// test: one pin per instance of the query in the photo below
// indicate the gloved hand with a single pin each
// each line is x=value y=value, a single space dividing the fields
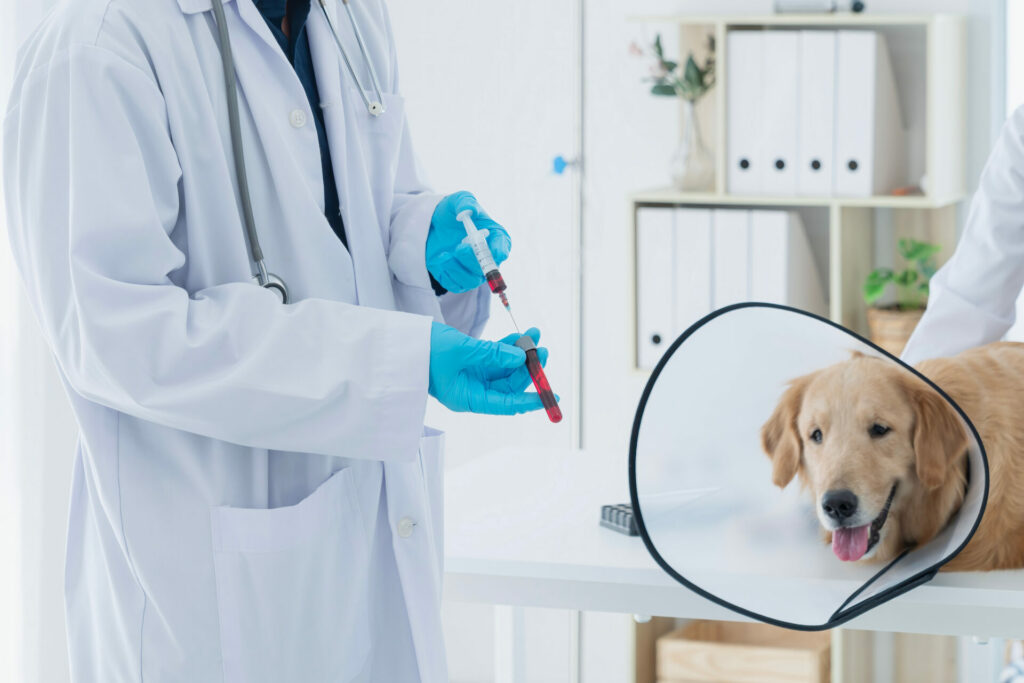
x=451 y=262
x=478 y=376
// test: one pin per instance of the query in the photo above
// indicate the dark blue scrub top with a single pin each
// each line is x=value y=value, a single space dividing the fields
x=296 y=49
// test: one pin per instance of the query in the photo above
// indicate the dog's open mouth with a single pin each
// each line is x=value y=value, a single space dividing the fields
x=852 y=543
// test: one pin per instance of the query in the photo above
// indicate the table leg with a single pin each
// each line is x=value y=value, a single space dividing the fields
x=509 y=644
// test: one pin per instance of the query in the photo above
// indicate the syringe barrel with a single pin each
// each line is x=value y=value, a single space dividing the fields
x=478 y=241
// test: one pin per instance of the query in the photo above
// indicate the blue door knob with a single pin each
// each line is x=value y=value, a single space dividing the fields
x=560 y=163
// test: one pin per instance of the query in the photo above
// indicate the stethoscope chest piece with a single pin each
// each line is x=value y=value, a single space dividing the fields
x=376 y=108
x=275 y=285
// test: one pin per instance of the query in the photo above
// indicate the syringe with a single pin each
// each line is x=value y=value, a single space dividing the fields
x=477 y=239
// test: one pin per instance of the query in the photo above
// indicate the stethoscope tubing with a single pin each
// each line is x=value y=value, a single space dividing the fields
x=266 y=279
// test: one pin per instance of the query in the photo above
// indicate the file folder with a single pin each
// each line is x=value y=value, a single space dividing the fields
x=779 y=99
x=731 y=258
x=744 y=60
x=692 y=267
x=870 y=151
x=654 y=281
x=817 y=79
x=783 y=269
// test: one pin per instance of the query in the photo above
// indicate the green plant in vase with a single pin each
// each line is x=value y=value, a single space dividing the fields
x=892 y=326
x=692 y=164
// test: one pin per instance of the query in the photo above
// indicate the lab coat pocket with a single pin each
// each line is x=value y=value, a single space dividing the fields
x=432 y=462
x=292 y=588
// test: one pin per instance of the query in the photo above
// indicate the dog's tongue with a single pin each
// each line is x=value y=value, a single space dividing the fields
x=850 y=543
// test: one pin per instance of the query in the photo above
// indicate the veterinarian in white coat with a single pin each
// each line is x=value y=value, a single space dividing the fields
x=973 y=297
x=255 y=497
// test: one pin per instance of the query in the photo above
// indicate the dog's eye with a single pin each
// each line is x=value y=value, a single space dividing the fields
x=816 y=436
x=879 y=430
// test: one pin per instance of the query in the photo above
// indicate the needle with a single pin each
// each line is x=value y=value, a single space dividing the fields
x=504 y=301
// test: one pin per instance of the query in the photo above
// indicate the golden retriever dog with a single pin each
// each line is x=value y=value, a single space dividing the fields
x=885 y=456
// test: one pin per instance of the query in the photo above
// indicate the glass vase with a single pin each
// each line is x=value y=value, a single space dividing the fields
x=692 y=166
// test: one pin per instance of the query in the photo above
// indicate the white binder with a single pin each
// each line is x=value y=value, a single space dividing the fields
x=731 y=262
x=779 y=98
x=692 y=267
x=870 y=150
x=744 y=59
x=782 y=266
x=817 y=79
x=654 y=280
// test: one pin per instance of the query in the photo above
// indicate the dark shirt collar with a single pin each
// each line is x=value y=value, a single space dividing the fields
x=274 y=11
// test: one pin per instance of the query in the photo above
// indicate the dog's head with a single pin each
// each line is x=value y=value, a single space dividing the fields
x=869 y=440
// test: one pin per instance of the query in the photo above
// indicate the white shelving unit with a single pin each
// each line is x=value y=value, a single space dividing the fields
x=928 y=54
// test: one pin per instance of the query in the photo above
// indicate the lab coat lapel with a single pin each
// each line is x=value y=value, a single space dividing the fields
x=346 y=138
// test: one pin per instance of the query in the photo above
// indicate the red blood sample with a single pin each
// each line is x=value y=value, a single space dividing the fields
x=496 y=282
x=540 y=380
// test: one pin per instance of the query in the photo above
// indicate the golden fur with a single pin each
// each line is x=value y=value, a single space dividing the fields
x=923 y=454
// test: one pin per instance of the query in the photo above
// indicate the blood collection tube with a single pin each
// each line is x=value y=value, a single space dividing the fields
x=540 y=380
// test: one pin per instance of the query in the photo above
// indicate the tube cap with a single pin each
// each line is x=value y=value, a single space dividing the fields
x=526 y=343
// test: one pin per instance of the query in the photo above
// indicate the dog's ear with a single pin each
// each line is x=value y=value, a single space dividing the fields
x=780 y=438
x=938 y=438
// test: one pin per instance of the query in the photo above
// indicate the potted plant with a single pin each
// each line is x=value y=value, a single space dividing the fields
x=891 y=326
x=693 y=166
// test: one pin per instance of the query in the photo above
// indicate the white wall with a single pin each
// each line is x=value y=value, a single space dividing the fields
x=37 y=434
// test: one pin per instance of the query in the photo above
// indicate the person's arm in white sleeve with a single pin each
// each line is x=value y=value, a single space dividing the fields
x=92 y=180
x=973 y=297
x=411 y=212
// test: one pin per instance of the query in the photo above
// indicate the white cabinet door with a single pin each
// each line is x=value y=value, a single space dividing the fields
x=490 y=95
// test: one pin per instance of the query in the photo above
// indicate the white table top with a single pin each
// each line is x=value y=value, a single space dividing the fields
x=522 y=529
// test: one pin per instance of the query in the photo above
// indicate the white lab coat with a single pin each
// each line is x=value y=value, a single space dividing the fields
x=255 y=497
x=973 y=297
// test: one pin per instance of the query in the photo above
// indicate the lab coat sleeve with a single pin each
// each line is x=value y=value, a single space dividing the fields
x=973 y=297
x=412 y=209
x=92 y=186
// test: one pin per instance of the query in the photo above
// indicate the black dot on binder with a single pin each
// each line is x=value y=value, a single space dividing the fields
x=656 y=339
x=780 y=164
x=744 y=164
x=816 y=165
x=853 y=165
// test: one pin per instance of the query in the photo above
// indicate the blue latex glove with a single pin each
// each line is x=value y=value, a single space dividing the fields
x=451 y=262
x=473 y=375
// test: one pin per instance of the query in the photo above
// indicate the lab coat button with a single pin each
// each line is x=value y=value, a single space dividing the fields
x=405 y=527
x=298 y=118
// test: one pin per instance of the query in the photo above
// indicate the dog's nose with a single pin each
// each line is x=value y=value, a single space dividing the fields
x=840 y=504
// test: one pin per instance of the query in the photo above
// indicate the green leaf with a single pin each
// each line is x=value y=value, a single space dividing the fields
x=875 y=284
x=669 y=66
x=906 y=278
x=692 y=75
x=663 y=89
x=658 y=51
x=912 y=250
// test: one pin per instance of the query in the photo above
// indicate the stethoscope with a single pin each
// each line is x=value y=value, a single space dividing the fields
x=265 y=278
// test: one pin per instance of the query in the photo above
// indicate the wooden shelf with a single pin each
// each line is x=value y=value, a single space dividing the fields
x=671 y=196
x=838 y=19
